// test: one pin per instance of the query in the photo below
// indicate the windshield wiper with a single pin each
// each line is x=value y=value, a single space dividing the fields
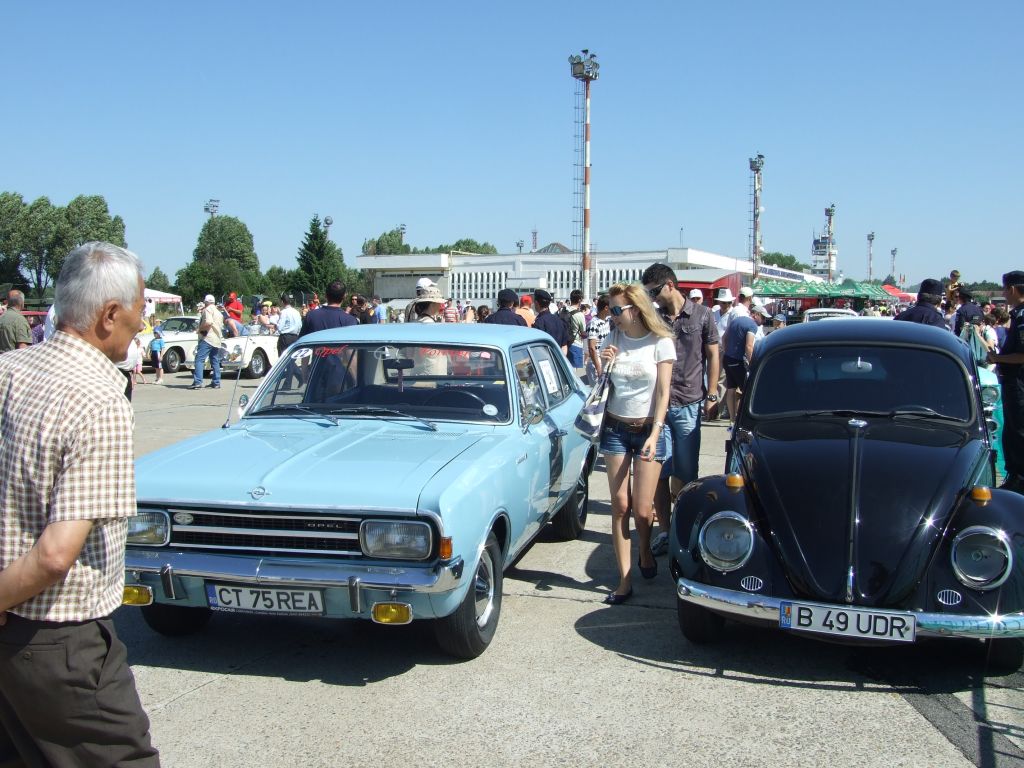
x=375 y=410
x=844 y=412
x=921 y=412
x=292 y=407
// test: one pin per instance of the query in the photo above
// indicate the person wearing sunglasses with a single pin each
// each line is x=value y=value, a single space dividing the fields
x=640 y=352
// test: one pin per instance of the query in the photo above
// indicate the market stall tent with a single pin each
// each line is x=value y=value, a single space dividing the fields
x=154 y=297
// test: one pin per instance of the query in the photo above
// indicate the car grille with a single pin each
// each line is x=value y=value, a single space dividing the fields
x=284 y=532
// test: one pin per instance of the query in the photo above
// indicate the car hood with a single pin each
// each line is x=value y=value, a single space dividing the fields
x=305 y=462
x=875 y=498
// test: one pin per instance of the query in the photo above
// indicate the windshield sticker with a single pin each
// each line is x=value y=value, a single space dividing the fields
x=319 y=352
x=490 y=410
x=301 y=353
x=548 y=373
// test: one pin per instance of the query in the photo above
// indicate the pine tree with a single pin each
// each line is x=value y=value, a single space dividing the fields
x=320 y=260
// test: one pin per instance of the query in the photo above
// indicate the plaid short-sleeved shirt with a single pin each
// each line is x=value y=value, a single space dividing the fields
x=66 y=454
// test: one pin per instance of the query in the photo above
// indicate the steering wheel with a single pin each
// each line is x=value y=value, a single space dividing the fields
x=448 y=395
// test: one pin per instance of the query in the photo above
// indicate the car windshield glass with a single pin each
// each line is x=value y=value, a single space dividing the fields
x=178 y=324
x=388 y=381
x=894 y=382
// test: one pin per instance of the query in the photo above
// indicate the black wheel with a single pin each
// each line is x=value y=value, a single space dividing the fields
x=571 y=518
x=172 y=360
x=467 y=632
x=175 y=620
x=257 y=367
x=451 y=398
x=1005 y=654
x=699 y=625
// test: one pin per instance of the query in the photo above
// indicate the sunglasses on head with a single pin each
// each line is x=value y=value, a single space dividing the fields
x=619 y=310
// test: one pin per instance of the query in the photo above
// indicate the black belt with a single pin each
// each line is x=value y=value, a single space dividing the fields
x=628 y=426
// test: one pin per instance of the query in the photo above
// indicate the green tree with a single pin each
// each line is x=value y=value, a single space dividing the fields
x=227 y=239
x=784 y=260
x=158 y=281
x=388 y=243
x=11 y=207
x=44 y=238
x=320 y=260
x=276 y=281
x=218 y=277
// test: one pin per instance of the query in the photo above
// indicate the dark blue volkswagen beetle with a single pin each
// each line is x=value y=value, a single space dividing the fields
x=858 y=502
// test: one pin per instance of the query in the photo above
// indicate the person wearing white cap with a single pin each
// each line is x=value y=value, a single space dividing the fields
x=696 y=296
x=211 y=330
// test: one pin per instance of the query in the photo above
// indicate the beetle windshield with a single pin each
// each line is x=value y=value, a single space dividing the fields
x=393 y=381
x=871 y=380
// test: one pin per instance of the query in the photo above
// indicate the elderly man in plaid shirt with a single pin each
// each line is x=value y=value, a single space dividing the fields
x=67 y=489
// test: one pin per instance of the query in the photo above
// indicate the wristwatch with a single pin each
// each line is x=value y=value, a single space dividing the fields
x=712 y=398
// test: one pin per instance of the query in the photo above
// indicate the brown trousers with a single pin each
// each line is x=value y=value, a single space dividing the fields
x=68 y=698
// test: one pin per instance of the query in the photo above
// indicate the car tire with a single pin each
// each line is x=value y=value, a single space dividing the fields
x=571 y=518
x=699 y=625
x=1005 y=654
x=175 y=620
x=257 y=367
x=468 y=631
x=171 y=360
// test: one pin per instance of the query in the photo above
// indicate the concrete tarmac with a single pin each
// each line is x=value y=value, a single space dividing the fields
x=567 y=680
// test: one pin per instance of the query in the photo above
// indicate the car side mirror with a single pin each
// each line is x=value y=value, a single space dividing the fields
x=533 y=414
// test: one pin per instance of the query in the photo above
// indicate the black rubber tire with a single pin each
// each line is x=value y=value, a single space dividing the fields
x=1005 y=654
x=461 y=634
x=257 y=367
x=699 y=625
x=175 y=620
x=172 y=360
x=571 y=518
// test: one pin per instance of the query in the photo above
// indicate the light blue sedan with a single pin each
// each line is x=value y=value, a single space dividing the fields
x=383 y=472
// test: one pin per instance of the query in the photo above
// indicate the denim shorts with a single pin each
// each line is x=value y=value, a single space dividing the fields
x=682 y=422
x=619 y=441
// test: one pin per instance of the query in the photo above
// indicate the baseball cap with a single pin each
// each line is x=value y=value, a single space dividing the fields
x=232 y=295
x=526 y=300
x=758 y=307
x=695 y=293
x=208 y=299
x=779 y=318
x=747 y=291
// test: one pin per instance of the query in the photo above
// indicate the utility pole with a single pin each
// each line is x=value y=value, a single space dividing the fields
x=756 y=164
x=585 y=69
x=871 y=243
x=892 y=265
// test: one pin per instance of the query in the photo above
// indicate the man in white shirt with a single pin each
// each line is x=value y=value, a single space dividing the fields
x=211 y=331
x=288 y=325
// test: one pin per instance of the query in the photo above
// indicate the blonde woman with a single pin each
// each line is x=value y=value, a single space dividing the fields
x=633 y=436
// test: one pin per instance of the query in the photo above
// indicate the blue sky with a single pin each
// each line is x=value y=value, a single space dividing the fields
x=456 y=119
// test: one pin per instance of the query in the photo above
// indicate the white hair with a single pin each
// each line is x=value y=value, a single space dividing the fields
x=93 y=274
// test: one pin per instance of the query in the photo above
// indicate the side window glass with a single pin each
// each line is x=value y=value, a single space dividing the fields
x=527 y=379
x=552 y=375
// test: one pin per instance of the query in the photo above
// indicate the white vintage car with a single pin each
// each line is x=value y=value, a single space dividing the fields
x=253 y=354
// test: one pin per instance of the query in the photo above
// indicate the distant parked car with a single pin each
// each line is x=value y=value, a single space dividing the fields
x=385 y=472
x=823 y=313
x=180 y=342
x=858 y=501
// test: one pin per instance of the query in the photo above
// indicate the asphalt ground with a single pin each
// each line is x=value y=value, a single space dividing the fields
x=567 y=680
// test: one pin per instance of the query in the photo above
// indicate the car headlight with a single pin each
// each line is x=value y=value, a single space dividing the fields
x=399 y=539
x=149 y=528
x=981 y=557
x=990 y=395
x=726 y=541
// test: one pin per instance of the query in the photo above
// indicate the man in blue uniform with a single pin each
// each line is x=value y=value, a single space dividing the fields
x=926 y=310
x=548 y=321
x=967 y=312
x=1011 y=377
x=506 y=315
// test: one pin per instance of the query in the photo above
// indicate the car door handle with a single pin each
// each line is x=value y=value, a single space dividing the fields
x=560 y=433
x=522 y=458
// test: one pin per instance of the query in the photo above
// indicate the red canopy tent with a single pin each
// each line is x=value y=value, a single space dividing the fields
x=903 y=296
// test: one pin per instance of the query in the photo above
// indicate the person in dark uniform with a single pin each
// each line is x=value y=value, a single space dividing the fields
x=1011 y=378
x=926 y=310
x=549 y=322
x=506 y=314
x=967 y=312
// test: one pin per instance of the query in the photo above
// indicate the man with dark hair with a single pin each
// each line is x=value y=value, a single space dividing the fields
x=549 y=322
x=15 y=332
x=329 y=315
x=967 y=312
x=926 y=310
x=506 y=314
x=696 y=340
x=1011 y=377
x=576 y=327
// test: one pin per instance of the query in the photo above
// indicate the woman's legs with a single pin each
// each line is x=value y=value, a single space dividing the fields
x=645 y=483
x=618 y=486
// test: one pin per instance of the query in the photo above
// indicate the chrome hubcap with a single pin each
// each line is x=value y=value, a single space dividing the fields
x=581 y=497
x=483 y=589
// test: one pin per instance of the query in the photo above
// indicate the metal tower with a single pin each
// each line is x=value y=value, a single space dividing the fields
x=756 y=249
x=892 y=265
x=585 y=70
x=871 y=243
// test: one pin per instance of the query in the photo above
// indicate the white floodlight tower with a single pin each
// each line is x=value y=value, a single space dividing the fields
x=830 y=214
x=892 y=267
x=211 y=207
x=327 y=225
x=871 y=243
x=585 y=69
x=756 y=164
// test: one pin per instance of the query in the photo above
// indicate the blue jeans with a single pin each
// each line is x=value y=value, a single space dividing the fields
x=575 y=356
x=203 y=351
x=683 y=421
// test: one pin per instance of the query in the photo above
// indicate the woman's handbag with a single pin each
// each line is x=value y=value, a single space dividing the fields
x=591 y=416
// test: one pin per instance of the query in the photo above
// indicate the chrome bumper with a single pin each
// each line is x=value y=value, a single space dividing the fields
x=354 y=577
x=766 y=609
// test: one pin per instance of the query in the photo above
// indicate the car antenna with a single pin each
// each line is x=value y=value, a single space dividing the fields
x=234 y=389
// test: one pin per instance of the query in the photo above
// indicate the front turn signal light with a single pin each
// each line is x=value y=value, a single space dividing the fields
x=445 y=549
x=734 y=480
x=981 y=494
x=391 y=613
x=137 y=594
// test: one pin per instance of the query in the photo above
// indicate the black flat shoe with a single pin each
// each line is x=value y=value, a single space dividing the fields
x=612 y=599
x=648 y=573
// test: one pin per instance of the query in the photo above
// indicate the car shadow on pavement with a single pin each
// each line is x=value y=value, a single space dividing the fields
x=335 y=652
